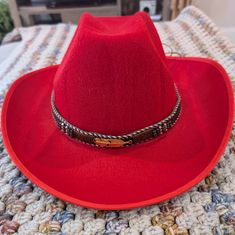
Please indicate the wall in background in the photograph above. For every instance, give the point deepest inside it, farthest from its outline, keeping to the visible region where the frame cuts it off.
(222, 12)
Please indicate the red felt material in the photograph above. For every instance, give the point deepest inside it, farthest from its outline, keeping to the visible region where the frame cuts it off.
(113, 78)
(127, 177)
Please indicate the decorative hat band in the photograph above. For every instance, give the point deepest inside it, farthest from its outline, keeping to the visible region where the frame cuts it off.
(112, 141)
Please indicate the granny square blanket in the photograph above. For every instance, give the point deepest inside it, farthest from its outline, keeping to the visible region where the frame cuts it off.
(208, 208)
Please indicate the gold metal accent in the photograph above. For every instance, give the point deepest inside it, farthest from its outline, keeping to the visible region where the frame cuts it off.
(111, 143)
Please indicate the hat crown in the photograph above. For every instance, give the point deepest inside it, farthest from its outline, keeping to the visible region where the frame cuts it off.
(113, 78)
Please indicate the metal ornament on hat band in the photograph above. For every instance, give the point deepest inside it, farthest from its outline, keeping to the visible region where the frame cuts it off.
(112, 141)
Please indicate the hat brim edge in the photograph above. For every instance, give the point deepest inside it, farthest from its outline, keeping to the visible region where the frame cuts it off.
(158, 199)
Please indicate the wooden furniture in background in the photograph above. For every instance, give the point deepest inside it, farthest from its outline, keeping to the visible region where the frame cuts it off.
(171, 8)
(15, 13)
(23, 15)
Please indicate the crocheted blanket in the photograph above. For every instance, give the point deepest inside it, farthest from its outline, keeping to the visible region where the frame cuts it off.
(208, 208)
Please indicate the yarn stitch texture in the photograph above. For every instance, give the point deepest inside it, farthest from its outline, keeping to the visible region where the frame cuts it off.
(208, 208)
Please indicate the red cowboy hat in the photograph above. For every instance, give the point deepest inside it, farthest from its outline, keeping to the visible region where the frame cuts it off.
(114, 91)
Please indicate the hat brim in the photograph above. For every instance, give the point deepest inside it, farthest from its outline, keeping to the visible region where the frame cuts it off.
(127, 177)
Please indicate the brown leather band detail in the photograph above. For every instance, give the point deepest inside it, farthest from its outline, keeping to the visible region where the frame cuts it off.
(145, 135)
(109, 141)
(83, 138)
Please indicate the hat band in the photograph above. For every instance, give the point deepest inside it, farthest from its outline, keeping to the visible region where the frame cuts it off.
(112, 141)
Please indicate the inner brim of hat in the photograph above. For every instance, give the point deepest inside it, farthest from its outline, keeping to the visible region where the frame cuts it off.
(127, 177)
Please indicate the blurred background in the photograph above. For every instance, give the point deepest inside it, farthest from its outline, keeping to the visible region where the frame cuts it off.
(22, 13)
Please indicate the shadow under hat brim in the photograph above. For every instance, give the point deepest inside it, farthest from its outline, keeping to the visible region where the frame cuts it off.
(126, 177)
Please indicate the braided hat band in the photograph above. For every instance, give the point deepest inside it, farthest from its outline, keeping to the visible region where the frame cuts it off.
(114, 141)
